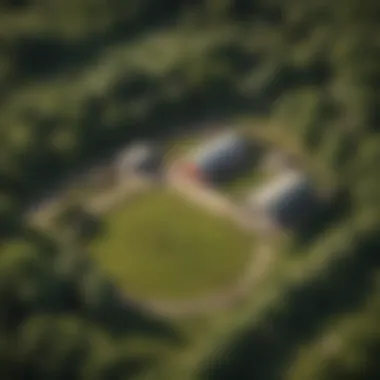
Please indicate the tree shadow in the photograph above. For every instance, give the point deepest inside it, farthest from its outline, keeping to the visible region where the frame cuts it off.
(325, 214)
(263, 351)
(69, 363)
(40, 57)
(126, 368)
(369, 371)
(122, 316)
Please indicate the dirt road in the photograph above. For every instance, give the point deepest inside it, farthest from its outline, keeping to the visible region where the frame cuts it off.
(41, 215)
(261, 260)
(109, 200)
(215, 202)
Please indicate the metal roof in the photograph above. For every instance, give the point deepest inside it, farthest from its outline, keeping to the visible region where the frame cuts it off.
(224, 150)
(282, 187)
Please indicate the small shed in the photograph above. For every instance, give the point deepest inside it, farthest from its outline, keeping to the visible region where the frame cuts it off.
(288, 201)
(142, 158)
(222, 157)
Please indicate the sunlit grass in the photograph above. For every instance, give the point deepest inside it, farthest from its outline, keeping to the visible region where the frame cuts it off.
(162, 246)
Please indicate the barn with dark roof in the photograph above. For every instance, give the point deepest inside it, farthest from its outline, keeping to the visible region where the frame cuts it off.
(221, 158)
(287, 201)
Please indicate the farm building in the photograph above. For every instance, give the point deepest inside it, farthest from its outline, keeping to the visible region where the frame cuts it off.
(139, 158)
(288, 201)
(221, 158)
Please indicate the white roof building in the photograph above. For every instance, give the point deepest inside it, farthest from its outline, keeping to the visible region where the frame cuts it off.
(138, 157)
(285, 201)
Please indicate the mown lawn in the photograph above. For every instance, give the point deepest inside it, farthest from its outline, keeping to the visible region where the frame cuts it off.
(160, 246)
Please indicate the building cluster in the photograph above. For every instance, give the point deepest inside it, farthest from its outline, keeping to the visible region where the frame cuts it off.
(286, 201)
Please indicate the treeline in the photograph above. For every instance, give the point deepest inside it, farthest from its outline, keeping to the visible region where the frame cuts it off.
(60, 317)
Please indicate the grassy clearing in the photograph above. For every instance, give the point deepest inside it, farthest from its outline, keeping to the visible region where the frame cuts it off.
(244, 184)
(161, 246)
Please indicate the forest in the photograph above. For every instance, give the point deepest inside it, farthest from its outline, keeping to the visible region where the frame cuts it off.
(80, 78)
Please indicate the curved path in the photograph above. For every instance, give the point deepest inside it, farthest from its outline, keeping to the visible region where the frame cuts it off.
(258, 266)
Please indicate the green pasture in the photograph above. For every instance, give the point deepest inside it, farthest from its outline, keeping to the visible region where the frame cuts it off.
(161, 246)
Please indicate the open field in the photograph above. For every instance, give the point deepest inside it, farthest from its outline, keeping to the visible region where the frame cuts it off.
(163, 247)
